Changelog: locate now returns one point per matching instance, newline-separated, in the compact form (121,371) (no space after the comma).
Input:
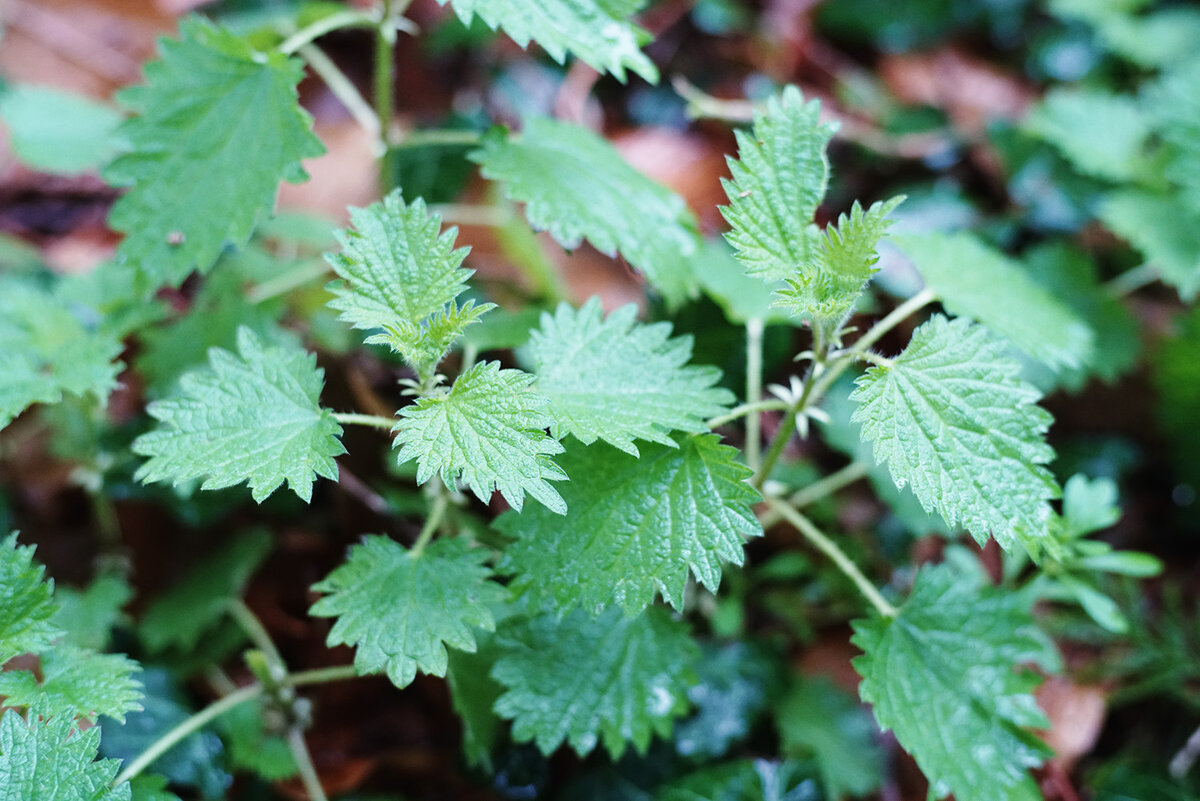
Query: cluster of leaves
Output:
(548,617)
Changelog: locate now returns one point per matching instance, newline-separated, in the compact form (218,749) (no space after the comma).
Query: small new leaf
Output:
(423,345)
(611,680)
(597,31)
(952,419)
(576,185)
(636,526)
(251,417)
(218,127)
(973,280)
(401,608)
(827,287)
(779,179)
(48,759)
(77,682)
(45,351)
(396,265)
(618,381)
(486,431)
(27,605)
(941,676)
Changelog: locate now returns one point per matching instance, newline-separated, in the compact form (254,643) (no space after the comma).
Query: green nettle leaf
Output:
(828,286)
(34,116)
(610,680)
(251,417)
(401,608)
(77,682)
(576,185)
(45,351)
(779,179)
(88,615)
(618,381)
(218,127)
(973,280)
(252,747)
(198,601)
(1163,229)
(487,431)
(596,31)
(941,676)
(396,264)
(952,419)
(27,605)
(1175,104)
(50,760)
(1070,118)
(636,526)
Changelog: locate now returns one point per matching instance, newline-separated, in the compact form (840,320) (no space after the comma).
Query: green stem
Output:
(304,764)
(433,521)
(439,136)
(322,675)
(189,726)
(333,22)
(286,282)
(468,214)
(342,87)
(373,420)
(754,370)
(257,633)
(744,409)
(829,484)
(385,46)
(1130,281)
(831,549)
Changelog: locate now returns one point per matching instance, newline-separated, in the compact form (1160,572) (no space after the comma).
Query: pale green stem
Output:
(373,420)
(702,104)
(343,89)
(744,409)
(831,549)
(819,489)
(754,370)
(440,136)
(189,726)
(434,520)
(468,214)
(385,47)
(254,629)
(304,764)
(322,675)
(285,282)
(1131,281)
(333,22)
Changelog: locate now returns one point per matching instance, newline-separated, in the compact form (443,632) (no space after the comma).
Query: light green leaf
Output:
(636,526)
(1088,505)
(973,280)
(198,600)
(1070,118)
(947,676)
(45,351)
(27,607)
(88,616)
(401,608)
(611,680)
(51,760)
(486,431)
(951,419)
(424,344)
(618,381)
(576,185)
(827,287)
(37,134)
(779,179)
(1175,103)
(252,417)
(819,719)
(1163,229)
(77,682)
(596,31)
(396,265)
(741,297)
(218,126)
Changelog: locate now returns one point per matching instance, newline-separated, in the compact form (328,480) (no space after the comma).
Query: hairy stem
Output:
(754,369)
(439,136)
(385,54)
(744,409)
(372,420)
(436,513)
(818,489)
(342,87)
(254,629)
(836,554)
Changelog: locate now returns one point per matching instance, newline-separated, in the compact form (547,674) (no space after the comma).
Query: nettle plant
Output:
(574,615)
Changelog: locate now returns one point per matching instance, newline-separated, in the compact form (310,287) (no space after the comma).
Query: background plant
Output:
(570,493)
